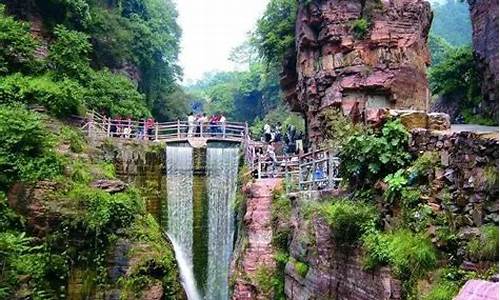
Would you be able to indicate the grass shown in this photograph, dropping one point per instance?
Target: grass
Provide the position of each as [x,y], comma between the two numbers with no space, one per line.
[348,220]
[486,246]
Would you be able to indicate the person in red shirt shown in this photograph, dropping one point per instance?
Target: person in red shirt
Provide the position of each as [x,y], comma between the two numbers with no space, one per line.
[150,124]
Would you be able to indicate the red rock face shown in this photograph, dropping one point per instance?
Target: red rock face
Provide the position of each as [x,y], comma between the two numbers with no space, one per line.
[259,253]
[383,66]
[484,16]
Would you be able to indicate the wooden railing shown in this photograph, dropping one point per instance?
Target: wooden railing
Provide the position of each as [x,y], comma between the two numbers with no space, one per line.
[97,125]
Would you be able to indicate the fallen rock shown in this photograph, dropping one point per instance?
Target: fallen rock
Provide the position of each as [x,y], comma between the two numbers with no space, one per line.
[110,186]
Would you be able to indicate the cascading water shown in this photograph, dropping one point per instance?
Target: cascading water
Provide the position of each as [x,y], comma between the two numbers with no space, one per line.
[221,179]
[180,211]
[222,173]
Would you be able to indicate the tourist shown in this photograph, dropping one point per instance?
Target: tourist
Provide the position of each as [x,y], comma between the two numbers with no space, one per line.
[267,133]
[191,124]
[127,130]
[222,122]
[118,124]
[271,155]
[299,145]
[277,133]
[214,119]
[150,124]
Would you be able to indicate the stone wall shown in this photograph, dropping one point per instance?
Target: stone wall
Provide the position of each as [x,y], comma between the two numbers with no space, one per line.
[334,272]
[468,174]
[386,67]
[140,163]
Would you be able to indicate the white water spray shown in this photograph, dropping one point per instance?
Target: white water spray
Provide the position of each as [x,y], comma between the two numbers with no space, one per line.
[186,269]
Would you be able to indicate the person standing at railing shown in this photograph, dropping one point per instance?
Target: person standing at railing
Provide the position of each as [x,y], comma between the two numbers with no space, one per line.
[127,130]
[203,120]
[191,124]
[150,124]
[214,119]
[222,122]
[271,155]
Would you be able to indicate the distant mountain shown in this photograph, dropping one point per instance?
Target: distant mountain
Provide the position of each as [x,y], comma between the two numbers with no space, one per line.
[452,22]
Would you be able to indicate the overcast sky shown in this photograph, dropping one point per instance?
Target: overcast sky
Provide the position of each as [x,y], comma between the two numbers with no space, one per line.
[211,28]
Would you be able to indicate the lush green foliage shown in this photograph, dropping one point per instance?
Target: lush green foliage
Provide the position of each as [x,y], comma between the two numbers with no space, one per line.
[439,48]
[337,128]
[275,33]
[360,28]
[25,152]
[61,98]
[301,268]
[349,220]
[367,156]
[452,22]
[458,76]
[68,55]
[114,95]
[409,254]
[17,47]
[486,246]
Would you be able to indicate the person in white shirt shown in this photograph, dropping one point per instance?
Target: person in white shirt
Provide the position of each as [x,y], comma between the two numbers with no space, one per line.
[222,121]
[191,124]
[267,133]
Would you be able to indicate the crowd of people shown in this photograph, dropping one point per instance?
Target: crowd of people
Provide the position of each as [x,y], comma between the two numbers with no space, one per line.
[201,123]
[276,141]
[126,128]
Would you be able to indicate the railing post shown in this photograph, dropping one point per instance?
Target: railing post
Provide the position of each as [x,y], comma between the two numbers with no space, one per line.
[178,129]
[201,129]
[156,131]
[145,130]
[91,124]
[108,129]
[259,170]
[330,168]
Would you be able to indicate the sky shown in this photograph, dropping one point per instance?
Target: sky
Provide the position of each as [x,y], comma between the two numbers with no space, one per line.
[211,29]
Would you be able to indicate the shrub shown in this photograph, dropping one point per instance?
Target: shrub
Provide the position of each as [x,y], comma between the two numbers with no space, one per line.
[74,138]
[395,185]
[367,157]
[114,95]
[486,246]
[17,46]
[410,255]
[337,128]
[348,220]
[301,268]
[68,55]
[60,98]
[360,28]
[24,150]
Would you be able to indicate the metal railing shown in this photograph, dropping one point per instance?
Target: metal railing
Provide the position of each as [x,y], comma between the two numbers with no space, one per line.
[317,170]
[96,125]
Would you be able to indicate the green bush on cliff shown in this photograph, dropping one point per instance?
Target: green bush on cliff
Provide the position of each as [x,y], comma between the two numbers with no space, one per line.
[348,220]
[486,246]
[360,28]
[369,156]
[17,46]
[410,255]
[25,150]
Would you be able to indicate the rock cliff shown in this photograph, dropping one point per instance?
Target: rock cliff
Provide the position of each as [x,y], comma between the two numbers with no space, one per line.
[484,16]
[358,55]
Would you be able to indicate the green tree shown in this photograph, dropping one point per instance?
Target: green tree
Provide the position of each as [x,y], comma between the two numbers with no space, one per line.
[275,32]
[17,46]
[68,56]
[452,22]
[439,48]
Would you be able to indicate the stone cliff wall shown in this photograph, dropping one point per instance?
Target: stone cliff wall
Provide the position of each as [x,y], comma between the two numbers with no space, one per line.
[333,272]
[340,63]
[144,165]
[255,254]
[466,182]
[484,16]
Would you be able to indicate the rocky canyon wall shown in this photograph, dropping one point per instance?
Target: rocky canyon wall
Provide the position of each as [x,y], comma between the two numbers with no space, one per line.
[359,55]
[484,17]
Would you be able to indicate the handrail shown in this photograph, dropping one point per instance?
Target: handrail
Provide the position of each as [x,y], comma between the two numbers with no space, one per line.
[316,170]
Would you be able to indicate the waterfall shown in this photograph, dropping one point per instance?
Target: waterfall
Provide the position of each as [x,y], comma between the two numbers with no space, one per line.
[221,179]
[180,211]
[222,174]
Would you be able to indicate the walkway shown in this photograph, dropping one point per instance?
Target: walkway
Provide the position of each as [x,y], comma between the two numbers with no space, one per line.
[317,170]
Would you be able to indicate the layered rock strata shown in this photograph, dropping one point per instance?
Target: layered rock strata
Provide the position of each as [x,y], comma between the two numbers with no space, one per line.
[484,17]
[257,254]
[358,55]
